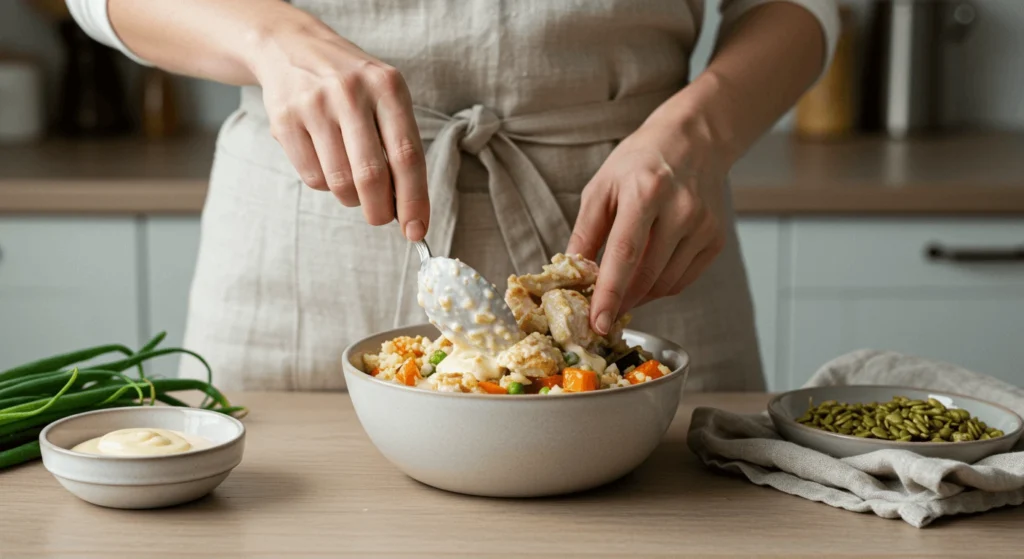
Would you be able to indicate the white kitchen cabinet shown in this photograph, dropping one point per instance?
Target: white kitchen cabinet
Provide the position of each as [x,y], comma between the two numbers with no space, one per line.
[759,243]
[868,284]
[172,244]
[66,284]
[868,253]
[980,332]
[821,287]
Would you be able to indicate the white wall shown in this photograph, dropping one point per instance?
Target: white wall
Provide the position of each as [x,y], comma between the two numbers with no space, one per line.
[994,74]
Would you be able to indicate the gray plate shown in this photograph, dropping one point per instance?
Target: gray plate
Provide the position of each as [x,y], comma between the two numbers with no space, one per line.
[786,408]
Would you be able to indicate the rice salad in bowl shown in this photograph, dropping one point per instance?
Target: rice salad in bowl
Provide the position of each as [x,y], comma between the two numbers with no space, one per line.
[556,349]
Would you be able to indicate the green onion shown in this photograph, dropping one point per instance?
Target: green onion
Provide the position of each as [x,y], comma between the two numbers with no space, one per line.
[36,394]
[20,454]
[55,363]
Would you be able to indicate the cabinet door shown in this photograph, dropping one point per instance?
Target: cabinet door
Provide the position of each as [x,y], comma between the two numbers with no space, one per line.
[759,242]
[982,332]
[890,253]
[172,244]
[65,284]
[871,284]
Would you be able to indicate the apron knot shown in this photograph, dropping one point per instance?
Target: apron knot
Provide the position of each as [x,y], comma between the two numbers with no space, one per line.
[482,124]
[527,212]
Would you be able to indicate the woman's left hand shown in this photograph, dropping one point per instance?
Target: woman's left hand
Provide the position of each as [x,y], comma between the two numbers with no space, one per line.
[655,206]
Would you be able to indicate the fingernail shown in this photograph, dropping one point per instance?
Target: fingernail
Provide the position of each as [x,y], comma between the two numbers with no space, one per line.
[604,322]
[414,230]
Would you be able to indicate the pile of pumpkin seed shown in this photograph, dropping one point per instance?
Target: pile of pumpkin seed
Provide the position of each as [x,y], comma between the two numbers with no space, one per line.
[901,419]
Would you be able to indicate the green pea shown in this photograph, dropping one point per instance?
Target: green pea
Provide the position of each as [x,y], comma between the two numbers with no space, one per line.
[545,390]
[571,358]
[516,388]
[437,357]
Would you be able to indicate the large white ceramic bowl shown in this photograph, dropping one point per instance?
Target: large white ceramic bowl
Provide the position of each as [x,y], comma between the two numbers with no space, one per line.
[515,446]
[149,481]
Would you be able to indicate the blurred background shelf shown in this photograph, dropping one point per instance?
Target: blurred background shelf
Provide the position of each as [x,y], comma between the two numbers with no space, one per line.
[123,175]
[971,173]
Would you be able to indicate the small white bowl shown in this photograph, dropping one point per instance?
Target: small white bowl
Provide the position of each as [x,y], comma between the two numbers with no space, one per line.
[149,481]
[515,446]
[785,408]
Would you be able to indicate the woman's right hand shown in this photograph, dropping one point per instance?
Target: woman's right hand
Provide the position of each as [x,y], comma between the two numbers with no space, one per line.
[346,122]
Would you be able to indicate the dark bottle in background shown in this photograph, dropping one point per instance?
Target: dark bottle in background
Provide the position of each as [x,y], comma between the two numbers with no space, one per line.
[907,59]
[92,98]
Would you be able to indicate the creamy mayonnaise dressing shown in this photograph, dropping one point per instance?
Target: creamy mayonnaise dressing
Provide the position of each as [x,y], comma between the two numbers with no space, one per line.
[467,359]
[142,442]
[594,362]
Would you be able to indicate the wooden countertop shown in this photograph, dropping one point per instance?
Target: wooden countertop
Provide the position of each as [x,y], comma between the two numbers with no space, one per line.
[970,173]
[312,485]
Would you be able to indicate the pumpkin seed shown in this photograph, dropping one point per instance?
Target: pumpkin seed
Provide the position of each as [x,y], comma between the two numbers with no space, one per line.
[900,419]
[972,428]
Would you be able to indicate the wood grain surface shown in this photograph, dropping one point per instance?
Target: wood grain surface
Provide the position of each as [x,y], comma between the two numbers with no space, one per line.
[312,485]
[964,173]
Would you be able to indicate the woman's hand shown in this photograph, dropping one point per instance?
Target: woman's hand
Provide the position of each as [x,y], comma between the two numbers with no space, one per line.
[655,207]
[346,122]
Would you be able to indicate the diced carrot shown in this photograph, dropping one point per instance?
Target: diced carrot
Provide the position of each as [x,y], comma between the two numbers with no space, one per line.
[544,382]
[409,373]
[648,368]
[375,371]
[578,380]
[492,388]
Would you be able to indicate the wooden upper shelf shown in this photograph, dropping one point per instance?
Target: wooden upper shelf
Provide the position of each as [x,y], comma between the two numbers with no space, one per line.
[970,173]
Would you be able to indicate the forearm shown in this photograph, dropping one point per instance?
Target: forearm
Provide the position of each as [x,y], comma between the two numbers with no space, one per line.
[759,70]
[211,39]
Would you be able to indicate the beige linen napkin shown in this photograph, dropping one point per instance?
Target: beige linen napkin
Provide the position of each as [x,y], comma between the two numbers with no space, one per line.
[889,483]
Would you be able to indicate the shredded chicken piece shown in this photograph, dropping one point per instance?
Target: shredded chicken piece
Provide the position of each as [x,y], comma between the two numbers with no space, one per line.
[566,271]
[534,356]
[568,316]
[527,313]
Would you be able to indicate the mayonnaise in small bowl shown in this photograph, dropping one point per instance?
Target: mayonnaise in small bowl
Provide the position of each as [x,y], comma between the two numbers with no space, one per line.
[142,442]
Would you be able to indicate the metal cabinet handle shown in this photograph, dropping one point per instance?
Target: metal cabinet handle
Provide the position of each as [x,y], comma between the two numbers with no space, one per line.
[938,252]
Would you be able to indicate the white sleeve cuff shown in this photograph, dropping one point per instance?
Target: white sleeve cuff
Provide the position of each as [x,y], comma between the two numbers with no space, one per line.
[93,18]
[826,12]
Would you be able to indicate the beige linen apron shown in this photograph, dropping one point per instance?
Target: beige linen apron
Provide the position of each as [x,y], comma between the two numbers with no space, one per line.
[519,103]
